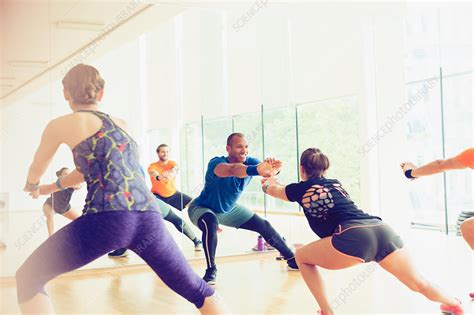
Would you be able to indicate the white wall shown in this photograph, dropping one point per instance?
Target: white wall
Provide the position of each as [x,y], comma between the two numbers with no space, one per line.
[24,122]
[162,90]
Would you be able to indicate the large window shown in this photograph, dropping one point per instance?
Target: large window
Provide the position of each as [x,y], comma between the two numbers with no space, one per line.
[215,133]
[439,44]
[333,127]
[437,34]
[458,117]
[425,138]
[440,126]
[191,159]
[251,126]
[280,142]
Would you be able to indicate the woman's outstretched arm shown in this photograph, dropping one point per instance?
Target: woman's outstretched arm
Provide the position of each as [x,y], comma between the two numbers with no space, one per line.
[271,186]
[44,154]
[73,179]
[431,168]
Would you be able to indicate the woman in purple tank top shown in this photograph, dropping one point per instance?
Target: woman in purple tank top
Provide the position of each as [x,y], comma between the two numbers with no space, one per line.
[119,209]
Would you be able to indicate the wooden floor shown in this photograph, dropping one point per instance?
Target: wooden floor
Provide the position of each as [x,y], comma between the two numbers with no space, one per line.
[25,231]
[258,284]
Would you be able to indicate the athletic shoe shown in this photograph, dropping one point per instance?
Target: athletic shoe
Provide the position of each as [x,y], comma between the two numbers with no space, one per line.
[471,295]
[210,276]
[452,310]
[121,252]
[198,246]
[292,266]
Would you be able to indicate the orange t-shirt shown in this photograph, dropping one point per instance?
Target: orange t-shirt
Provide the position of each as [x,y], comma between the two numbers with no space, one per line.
[161,187]
[466,158]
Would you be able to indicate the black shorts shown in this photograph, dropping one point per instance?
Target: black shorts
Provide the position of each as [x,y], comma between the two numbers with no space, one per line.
[178,200]
[366,239]
[58,206]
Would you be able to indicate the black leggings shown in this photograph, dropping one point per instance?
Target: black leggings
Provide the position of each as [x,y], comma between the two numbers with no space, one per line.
[181,226]
[208,224]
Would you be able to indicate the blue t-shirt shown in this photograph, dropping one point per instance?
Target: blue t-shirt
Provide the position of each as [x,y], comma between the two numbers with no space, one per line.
[220,194]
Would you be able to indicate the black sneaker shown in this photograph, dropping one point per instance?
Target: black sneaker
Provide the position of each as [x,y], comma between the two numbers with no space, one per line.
[292,266]
[121,252]
[210,276]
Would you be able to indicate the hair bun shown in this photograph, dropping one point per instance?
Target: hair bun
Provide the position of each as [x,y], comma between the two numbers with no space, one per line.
[83,83]
[314,162]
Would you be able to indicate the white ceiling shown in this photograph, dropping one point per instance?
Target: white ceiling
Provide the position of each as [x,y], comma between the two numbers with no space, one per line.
[39,38]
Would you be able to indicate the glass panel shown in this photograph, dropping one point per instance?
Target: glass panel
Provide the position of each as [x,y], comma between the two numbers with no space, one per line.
[333,127]
[437,35]
[183,166]
[425,140]
[251,126]
[456,37]
[280,142]
[216,132]
[458,116]
[192,165]
[422,56]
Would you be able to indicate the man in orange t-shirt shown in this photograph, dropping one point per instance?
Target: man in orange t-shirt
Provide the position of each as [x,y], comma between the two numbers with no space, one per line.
[463,160]
[163,175]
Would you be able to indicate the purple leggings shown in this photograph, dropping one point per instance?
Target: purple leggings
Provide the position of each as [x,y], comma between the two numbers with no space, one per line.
[94,235]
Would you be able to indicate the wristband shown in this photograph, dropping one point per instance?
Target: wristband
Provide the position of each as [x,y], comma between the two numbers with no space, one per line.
[31,187]
[408,174]
[265,188]
[58,184]
[252,170]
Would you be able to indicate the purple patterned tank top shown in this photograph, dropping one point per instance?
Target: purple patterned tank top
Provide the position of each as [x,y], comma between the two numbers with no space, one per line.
[110,164]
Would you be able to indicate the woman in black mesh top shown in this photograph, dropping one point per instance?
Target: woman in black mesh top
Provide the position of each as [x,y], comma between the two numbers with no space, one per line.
[348,235]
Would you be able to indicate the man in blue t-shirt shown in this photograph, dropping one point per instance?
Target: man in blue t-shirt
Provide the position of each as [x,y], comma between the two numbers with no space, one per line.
[226,178]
